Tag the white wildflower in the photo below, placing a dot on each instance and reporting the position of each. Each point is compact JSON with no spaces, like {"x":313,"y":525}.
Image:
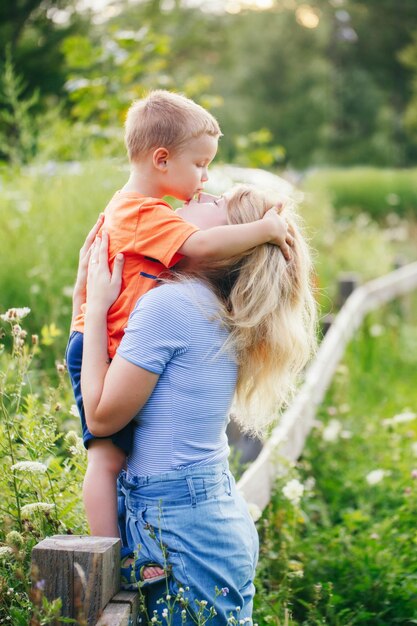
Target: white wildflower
{"x":34,"y":507}
{"x":402,"y":418}
{"x":332,"y":431}
{"x":203,"y":602}
{"x":310,"y":483}
{"x":29,"y":467}
{"x":165,"y":613}
{"x":74,"y":411}
{"x":154,"y":619}
{"x":13,"y":315}
{"x":375,"y":477}
{"x":293,"y":491}
{"x":255,"y":511}
{"x":298,"y":573}
{"x":345,"y":434}
{"x":376,"y":330}
{"x":5,"y":551}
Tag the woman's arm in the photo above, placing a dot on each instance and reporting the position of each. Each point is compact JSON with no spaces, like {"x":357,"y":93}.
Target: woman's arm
{"x":112,"y":393}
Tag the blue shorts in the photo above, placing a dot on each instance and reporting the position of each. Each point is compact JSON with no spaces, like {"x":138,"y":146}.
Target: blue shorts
{"x":209,"y":537}
{"x":73,"y":356}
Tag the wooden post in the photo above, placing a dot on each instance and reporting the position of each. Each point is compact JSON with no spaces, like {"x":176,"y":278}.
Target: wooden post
{"x":83,"y":571}
{"x":347,"y":284}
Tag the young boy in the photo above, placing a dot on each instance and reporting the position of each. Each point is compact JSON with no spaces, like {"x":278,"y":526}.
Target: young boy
{"x":170,"y":142}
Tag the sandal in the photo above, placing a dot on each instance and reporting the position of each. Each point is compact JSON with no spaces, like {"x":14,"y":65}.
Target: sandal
{"x":132,"y":574}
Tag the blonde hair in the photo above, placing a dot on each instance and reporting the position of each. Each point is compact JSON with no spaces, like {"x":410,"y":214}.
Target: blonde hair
{"x":268,"y":305}
{"x":165,"y":119}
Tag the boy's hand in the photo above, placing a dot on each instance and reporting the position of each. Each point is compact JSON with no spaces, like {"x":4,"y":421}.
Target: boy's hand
{"x":280,"y":235}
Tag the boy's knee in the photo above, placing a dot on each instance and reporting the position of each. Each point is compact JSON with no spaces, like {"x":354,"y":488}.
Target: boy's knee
{"x":111,"y":458}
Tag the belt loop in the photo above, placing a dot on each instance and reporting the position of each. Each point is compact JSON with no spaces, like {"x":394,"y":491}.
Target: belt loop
{"x":227,"y":474}
{"x":192,"y":490}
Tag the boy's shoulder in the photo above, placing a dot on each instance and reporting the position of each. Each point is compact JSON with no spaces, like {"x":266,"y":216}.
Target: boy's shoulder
{"x":132,"y":202}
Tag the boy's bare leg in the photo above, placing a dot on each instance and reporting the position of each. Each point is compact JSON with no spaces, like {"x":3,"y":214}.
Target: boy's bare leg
{"x":105,"y":462}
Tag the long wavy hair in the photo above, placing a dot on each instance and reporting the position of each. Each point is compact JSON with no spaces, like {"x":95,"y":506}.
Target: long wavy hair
{"x":268,"y":305}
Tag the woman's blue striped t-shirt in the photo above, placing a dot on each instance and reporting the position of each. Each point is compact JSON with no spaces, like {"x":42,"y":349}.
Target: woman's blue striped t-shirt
{"x":174,"y":331}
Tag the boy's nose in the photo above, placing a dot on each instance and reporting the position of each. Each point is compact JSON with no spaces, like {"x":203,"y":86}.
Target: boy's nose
{"x":204,"y":175}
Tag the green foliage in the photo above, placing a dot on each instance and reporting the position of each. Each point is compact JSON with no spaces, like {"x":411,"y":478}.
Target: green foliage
{"x":377,"y":192}
{"x":353,"y":539}
{"x":40,"y":470}
{"x":17,"y":129}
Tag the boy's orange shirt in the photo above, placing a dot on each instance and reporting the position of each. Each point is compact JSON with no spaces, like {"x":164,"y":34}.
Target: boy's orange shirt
{"x":149,"y":234}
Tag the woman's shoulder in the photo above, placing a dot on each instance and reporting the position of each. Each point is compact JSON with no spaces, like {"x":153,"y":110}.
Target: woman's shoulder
{"x":174,"y":293}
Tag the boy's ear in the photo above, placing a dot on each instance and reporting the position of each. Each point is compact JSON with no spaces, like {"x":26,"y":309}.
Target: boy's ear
{"x":160,"y":158}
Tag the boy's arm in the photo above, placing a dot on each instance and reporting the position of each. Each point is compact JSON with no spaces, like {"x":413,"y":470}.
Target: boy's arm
{"x":222,"y":242}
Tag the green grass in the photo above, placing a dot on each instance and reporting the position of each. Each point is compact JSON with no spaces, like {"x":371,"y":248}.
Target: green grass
{"x":375,"y":191}
{"x":354,"y":541}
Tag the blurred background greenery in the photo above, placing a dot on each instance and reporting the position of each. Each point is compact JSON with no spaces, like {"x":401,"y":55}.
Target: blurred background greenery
{"x":322,"y":92}
{"x":292,"y":82}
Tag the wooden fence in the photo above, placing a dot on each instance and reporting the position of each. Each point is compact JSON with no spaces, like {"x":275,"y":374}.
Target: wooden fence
{"x":84,"y":571}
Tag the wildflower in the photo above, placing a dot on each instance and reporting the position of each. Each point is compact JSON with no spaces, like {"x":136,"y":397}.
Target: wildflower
{"x":345,"y":434}
{"x":401,"y":418}
{"x":35,"y":340}
{"x":29,"y":467}
{"x":203,"y":602}
{"x":332,"y":430}
{"x":241,"y":621}
{"x":180,"y":590}
{"x":15,"y":314}
{"x":376,"y":330}
{"x":414,"y":473}
{"x":60,"y":367}
{"x":407,"y":491}
{"x":374,"y":536}
{"x":255,"y":511}
{"x":74,"y":411}
{"x":154,"y":619}
{"x":33,"y":507}
{"x":331,"y":410}
{"x":5,"y":551}
{"x":40,"y":584}
{"x":14,"y":539}
{"x":168,"y":597}
{"x":375,"y":477}
{"x":293,"y":491}
{"x":165,"y":613}
{"x":310,"y":483}
{"x":224,"y":591}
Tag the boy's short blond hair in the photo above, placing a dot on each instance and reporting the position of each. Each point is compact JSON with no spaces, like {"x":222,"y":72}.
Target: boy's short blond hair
{"x":165,"y":119}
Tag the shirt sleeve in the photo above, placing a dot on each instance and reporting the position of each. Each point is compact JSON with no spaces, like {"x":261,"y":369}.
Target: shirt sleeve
{"x":161,"y":233}
{"x":156,"y":330}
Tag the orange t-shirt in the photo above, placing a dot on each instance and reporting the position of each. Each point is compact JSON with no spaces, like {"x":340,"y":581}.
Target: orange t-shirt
{"x":149,"y":234}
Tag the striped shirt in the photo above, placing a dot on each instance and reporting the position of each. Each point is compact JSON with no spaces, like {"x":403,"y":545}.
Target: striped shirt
{"x":174,"y":332}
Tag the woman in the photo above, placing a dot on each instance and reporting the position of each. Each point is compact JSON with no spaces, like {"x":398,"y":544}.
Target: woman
{"x":240,"y":328}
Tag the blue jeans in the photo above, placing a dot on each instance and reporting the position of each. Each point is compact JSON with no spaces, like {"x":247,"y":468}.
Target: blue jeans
{"x":74,"y":356}
{"x":209,"y":537}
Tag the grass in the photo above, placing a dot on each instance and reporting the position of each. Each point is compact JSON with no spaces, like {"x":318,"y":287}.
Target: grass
{"x":353,"y":536}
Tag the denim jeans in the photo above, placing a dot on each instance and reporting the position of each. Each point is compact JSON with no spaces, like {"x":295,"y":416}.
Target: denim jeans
{"x":209,"y":537}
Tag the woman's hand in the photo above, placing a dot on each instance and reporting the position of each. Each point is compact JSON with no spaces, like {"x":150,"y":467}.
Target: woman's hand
{"x":103,"y":287}
{"x":80,"y":287}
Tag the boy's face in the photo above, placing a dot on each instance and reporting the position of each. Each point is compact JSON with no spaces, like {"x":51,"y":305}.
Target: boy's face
{"x":187,"y":169}
{"x":205,"y":212}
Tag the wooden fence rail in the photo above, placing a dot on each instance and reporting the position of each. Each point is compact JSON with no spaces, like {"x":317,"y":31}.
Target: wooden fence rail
{"x":84,"y":571}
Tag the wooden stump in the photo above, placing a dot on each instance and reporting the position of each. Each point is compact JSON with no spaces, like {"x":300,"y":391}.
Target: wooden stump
{"x":83,"y":571}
